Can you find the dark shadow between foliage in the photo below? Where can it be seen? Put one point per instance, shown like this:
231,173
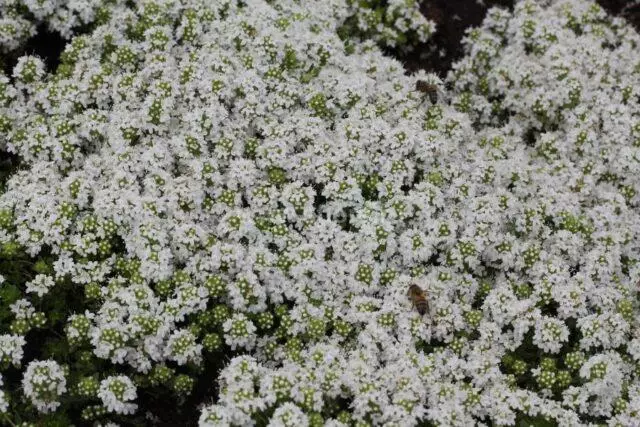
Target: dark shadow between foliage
46,45
454,17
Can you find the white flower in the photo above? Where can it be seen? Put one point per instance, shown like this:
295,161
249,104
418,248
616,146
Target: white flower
550,334
43,383
4,404
239,331
22,309
182,348
288,415
40,285
214,416
116,393
11,349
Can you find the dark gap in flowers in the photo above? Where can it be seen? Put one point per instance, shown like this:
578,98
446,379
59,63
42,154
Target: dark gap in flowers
530,137
434,260
627,9
170,412
344,219
9,163
319,200
452,18
574,269
245,203
46,44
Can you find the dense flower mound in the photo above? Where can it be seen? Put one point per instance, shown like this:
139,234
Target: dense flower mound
394,23
213,184
391,23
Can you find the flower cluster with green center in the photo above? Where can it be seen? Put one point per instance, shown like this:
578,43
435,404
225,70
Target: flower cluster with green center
234,196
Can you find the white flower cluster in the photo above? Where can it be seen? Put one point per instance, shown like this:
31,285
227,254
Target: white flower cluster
4,404
11,349
396,23
40,285
393,23
239,332
215,173
43,383
116,394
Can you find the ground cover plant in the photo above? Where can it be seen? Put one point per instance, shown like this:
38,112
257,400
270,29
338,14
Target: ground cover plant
220,206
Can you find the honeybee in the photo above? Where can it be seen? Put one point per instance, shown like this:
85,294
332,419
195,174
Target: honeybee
429,88
419,299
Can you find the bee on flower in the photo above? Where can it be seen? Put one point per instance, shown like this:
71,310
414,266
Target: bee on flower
418,298
431,87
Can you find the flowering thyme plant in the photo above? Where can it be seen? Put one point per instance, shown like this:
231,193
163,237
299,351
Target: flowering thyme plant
226,200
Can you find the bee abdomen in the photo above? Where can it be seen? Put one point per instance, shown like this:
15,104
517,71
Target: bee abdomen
422,306
433,96
430,89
